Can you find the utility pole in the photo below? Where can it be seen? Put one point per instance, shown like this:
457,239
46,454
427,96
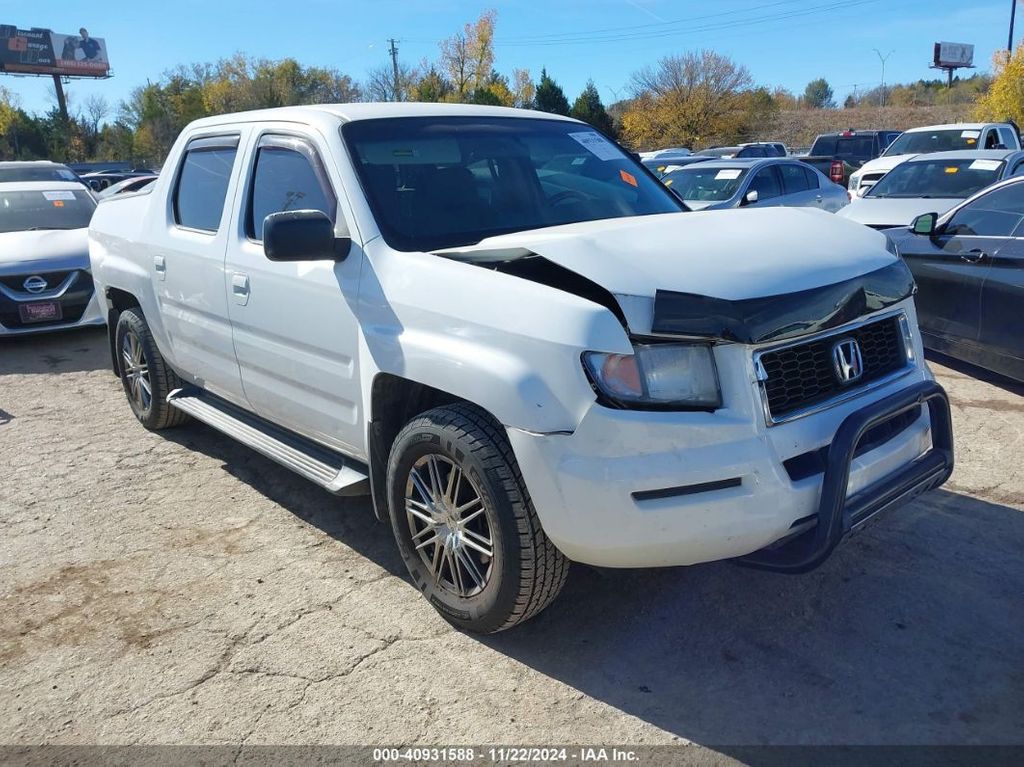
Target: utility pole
883,59
393,50
1013,15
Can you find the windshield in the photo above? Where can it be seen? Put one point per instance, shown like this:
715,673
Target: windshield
59,209
30,173
703,184
938,178
926,142
440,182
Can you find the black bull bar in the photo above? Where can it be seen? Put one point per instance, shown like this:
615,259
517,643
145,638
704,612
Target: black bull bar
837,515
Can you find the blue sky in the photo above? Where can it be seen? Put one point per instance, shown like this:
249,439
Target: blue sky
782,42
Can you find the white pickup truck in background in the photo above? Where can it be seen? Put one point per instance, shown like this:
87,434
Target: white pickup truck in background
512,335
933,138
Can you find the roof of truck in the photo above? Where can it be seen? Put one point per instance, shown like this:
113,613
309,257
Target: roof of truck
364,111
951,126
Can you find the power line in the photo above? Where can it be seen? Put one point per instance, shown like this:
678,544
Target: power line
597,38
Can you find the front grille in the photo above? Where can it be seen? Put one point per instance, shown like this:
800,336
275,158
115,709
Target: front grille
803,375
17,282
73,303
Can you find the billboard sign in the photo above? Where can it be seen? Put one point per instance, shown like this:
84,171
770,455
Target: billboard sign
44,52
953,55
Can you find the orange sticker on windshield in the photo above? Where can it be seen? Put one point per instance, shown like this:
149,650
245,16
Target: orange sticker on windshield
629,178
58,203
972,141
952,169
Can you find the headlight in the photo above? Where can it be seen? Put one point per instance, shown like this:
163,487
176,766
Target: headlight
657,376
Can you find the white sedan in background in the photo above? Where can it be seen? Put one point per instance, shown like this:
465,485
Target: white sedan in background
931,183
45,275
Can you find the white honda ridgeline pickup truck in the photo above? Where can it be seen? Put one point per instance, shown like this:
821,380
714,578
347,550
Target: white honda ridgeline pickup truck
528,351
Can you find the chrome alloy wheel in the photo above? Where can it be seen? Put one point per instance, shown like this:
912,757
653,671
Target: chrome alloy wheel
449,525
136,371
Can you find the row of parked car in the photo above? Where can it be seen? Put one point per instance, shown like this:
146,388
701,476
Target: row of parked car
949,197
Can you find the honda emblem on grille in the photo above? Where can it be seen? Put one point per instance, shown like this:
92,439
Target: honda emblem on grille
34,284
846,360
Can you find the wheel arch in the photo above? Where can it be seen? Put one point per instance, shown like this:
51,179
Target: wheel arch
394,401
117,301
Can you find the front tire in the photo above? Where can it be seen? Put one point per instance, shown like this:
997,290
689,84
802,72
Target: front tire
145,376
465,524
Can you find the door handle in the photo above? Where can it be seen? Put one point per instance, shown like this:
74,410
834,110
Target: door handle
240,288
974,256
160,267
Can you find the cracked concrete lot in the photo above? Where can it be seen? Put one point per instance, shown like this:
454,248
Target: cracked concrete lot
178,588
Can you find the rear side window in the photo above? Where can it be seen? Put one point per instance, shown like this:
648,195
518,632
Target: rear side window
288,176
203,182
795,179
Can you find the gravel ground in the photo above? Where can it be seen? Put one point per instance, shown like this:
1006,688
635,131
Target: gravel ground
179,588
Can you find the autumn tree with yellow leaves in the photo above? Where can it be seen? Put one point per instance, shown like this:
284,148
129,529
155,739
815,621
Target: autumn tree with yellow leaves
1005,97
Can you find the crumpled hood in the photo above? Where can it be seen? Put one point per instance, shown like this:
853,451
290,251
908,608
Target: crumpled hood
728,254
65,248
889,211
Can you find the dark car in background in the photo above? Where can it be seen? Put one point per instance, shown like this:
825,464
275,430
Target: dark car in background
969,269
35,170
838,155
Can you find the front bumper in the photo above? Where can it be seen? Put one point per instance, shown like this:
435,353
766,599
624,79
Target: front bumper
72,289
633,489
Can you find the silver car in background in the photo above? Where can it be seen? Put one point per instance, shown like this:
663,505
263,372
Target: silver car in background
45,274
762,183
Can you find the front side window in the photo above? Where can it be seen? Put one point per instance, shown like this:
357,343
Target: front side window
996,214
954,179
23,210
703,184
766,183
288,176
438,182
925,142
203,182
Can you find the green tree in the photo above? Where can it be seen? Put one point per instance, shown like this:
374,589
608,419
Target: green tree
549,96
818,95
589,109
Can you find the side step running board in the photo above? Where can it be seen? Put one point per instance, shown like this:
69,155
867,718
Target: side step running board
334,472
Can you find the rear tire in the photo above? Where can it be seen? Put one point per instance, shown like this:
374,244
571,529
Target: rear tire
465,524
145,376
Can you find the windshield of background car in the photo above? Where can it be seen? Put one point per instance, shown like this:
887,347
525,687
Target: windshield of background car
29,173
938,178
438,182
704,184
24,210
925,142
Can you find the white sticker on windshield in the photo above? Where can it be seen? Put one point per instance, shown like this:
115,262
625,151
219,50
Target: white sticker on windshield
970,134
986,165
597,145
66,195
728,173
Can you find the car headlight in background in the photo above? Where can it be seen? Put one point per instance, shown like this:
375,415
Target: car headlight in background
661,376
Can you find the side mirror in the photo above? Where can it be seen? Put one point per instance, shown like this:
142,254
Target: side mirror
95,185
302,235
750,197
924,224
